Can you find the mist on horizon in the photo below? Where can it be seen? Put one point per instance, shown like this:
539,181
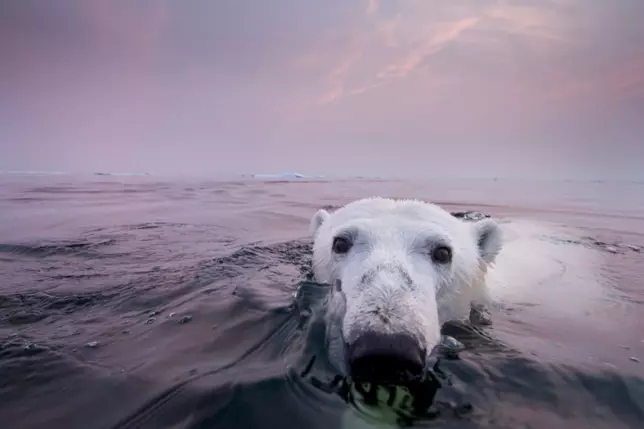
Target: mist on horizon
401,88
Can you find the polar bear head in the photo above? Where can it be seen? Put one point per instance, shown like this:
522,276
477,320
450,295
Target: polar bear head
398,269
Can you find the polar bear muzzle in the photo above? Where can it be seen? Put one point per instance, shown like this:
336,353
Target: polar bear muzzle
385,357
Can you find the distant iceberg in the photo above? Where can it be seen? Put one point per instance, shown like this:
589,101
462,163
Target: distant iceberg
284,176
121,174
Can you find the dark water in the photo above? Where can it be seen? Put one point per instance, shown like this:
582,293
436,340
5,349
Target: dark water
140,303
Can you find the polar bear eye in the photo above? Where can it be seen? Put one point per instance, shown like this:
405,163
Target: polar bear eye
442,255
341,245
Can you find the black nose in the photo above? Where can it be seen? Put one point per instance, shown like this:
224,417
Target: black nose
382,357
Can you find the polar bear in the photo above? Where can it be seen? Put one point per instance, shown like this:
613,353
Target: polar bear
398,269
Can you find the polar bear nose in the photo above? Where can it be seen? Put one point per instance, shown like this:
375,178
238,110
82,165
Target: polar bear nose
375,356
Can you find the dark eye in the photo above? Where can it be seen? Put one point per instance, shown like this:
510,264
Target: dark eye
341,245
442,255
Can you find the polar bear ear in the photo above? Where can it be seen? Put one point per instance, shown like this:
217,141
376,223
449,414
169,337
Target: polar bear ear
317,221
489,239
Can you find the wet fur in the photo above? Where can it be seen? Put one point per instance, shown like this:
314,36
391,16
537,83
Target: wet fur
387,281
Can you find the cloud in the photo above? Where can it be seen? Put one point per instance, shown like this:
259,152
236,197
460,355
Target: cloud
339,73
400,42
439,37
241,83
372,7
487,48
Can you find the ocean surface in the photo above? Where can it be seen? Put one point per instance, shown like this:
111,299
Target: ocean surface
151,303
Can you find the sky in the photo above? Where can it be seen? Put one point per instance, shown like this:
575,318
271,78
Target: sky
402,88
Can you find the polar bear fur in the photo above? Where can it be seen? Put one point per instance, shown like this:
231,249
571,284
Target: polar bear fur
388,280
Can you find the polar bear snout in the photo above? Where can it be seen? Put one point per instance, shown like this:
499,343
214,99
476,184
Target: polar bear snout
385,357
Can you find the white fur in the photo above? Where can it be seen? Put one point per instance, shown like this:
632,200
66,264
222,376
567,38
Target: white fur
388,279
